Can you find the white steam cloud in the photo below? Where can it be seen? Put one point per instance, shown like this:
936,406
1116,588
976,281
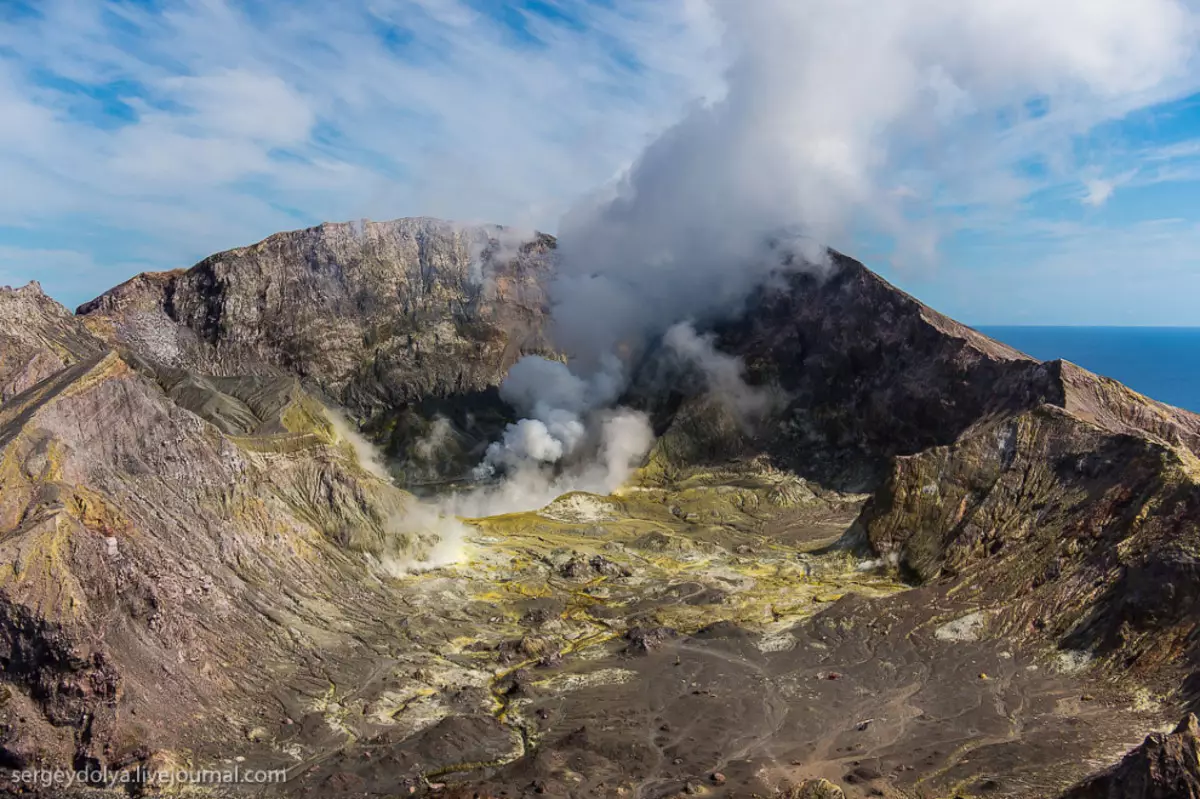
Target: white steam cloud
569,443
568,439
439,435
845,116
553,401
368,456
723,373
837,117
492,244
428,535
434,538
617,442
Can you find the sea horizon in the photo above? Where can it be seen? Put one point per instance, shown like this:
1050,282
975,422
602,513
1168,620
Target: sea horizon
1162,362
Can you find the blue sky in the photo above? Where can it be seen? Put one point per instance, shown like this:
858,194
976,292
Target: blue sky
145,135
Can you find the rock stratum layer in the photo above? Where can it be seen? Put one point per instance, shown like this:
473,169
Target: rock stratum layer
927,566
376,314
400,322
148,553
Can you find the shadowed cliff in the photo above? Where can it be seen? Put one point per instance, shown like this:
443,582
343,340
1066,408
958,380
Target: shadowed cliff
915,527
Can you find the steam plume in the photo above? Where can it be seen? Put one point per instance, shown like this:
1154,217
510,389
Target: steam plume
368,456
424,535
566,441
723,373
851,115
838,116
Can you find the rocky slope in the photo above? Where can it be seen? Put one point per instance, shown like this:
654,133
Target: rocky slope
148,556
1042,482
1034,480
400,322
1165,765
375,313
1064,504
867,373
200,563
38,337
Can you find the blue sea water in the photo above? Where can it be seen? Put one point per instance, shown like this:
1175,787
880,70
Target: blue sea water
1160,362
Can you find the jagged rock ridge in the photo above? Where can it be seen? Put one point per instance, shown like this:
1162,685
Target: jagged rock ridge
1165,766
373,312
869,374
38,337
1041,481
168,477
400,322
144,550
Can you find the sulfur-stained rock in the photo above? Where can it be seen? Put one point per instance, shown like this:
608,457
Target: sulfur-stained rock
128,505
529,647
38,338
596,566
643,640
194,546
406,322
813,789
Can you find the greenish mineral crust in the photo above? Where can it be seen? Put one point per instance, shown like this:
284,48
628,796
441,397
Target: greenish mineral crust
930,566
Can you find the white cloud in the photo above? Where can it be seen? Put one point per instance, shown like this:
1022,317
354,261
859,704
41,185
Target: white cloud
1098,192
906,119
849,114
242,104
246,122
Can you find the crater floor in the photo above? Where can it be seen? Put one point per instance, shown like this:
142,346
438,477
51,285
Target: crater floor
718,638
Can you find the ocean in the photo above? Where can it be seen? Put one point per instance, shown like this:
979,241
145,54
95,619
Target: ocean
1160,362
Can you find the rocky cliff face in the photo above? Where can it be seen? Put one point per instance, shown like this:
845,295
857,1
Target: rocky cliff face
1082,529
184,530
148,556
38,337
1164,766
180,518
1068,501
390,319
865,373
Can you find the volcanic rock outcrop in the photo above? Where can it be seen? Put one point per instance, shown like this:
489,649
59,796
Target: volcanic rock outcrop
1037,481
403,322
149,544
38,338
1165,765
375,313
915,570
